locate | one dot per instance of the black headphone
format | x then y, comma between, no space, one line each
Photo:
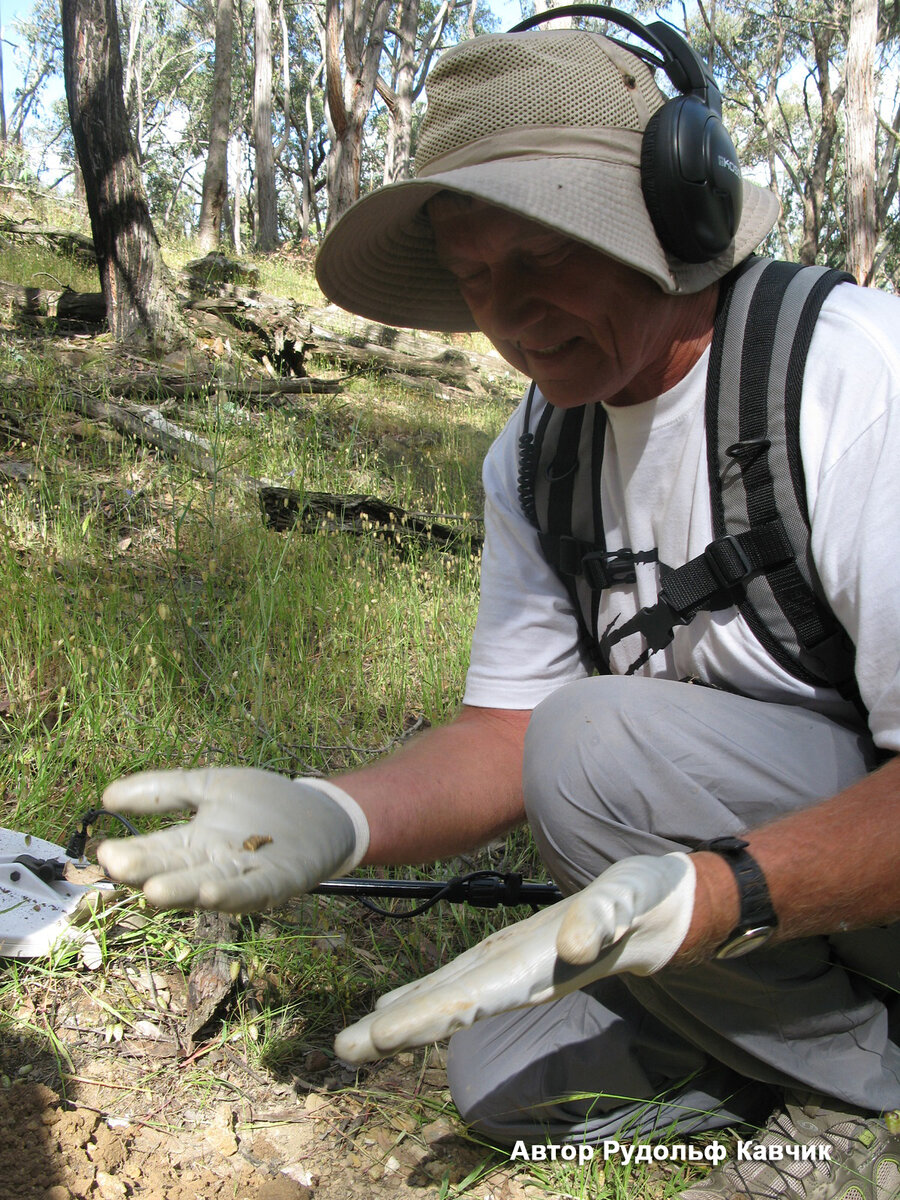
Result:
690,175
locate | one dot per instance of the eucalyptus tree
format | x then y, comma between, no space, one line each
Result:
413,38
140,302
263,133
785,74
302,150
862,229
215,175
353,45
39,55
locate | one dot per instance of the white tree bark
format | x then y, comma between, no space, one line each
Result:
862,230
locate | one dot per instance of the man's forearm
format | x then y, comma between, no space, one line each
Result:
449,790
830,868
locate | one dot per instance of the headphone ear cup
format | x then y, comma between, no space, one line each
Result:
651,173
691,180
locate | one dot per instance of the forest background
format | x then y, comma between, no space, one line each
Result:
257,122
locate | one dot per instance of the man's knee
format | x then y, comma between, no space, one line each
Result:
584,751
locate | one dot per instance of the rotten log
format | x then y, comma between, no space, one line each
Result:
282,508
361,332
65,305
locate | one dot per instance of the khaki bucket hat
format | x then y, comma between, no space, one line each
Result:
546,124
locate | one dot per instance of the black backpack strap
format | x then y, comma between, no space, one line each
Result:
757,483
552,491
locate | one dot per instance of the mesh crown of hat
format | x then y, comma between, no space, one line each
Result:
565,78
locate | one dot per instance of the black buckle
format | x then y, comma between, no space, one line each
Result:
727,561
603,568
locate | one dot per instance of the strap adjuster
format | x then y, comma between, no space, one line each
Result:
727,561
603,568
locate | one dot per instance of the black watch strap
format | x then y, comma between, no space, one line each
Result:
758,920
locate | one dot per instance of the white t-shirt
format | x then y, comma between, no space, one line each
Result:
655,495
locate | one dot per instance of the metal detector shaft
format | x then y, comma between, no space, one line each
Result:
488,890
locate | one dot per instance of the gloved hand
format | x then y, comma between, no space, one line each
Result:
256,839
633,917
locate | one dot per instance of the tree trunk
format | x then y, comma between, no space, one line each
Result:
215,177
266,201
360,27
2,99
861,222
815,192
396,164
134,279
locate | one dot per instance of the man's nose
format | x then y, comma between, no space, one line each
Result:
515,302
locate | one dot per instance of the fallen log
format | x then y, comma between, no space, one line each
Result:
360,332
293,329
148,425
65,305
445,368
283,508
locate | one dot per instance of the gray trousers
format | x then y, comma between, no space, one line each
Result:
619,766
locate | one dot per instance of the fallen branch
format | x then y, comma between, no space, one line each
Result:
67,241
148,425
258,393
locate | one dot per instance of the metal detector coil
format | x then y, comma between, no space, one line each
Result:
37,903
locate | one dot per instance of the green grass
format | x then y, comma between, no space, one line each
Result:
149,618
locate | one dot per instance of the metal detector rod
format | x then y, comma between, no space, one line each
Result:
487,890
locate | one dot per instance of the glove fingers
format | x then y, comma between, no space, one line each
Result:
417,1023
173,889
242,882
259,887
494,945
177,877
197,886
156,792
521,971
134,859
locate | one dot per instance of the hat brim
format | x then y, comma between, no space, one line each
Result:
379,259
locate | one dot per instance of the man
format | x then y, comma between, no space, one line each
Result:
621,1010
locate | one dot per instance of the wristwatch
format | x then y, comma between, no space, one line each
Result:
758,920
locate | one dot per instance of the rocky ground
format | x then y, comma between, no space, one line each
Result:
125,1122
107,1092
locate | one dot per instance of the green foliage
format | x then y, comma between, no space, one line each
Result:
782,73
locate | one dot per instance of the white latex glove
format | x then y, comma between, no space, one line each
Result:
633,917
256,837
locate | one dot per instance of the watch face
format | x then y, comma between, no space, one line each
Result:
745,941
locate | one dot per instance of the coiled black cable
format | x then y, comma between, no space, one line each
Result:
527,462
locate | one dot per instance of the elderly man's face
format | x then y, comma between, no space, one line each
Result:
583,326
